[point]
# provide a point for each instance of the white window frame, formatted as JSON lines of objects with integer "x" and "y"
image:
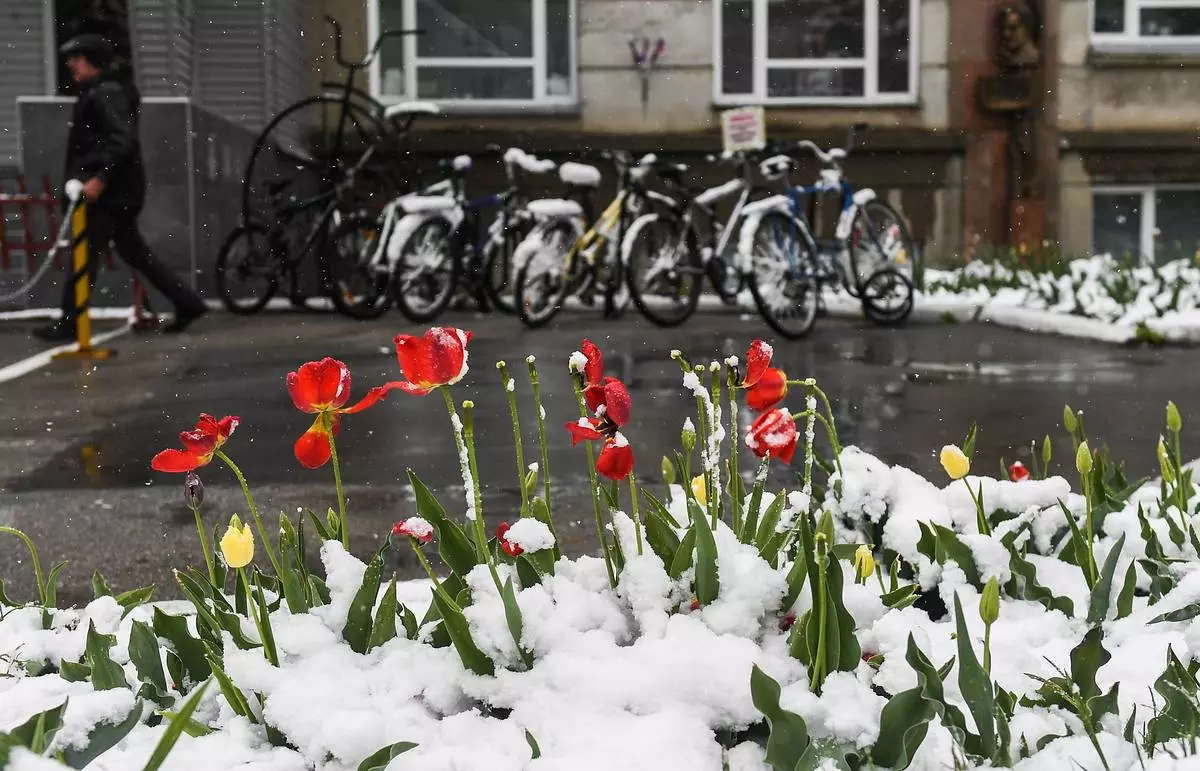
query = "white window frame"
{"x": 1132, "y": 39}
{"x": 1149, "y": 211}
{"x": 868, "y": 61}
{"x": 537, "y": 61}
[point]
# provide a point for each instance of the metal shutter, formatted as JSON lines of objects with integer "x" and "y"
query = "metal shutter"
{"x": 230, "y": 56}
{"x": 22, "y": 67}
{"x": 163, "y": 42}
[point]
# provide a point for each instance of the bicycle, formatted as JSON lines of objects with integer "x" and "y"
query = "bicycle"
{"x": 262, "y": 255}
{"x": 667, "y": 256}
{"x": 871, "y": 256}
{"x": 572, "y": 252}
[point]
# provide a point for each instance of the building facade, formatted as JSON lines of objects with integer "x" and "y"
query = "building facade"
{"x": 1071, "y": 123}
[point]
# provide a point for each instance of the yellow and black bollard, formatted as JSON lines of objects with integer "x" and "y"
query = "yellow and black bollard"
{"x": 83, "y": 289}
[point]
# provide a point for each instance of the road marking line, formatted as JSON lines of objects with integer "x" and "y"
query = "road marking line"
{"x": 39, "y": 360}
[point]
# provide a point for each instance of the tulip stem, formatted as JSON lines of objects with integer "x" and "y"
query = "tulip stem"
{"x": 262, "y": 533}
{"x": 637, "y": 519}
{"x": 987, "y": 648}
{"x": 734, "y": 471}
{"x": 541, "y": 423}
{"x": 266, "y": 639}
{"x": 208, "y": 560}
{"x": 509, "y": 391}
{"x": 37, "y": 563}
{"x": 821, "y": 605}
{"x": 480, "y": 532}
{"x": 980, "y": 518}
{"x": 337, "y": 483}
{"x": 595, "y": 485}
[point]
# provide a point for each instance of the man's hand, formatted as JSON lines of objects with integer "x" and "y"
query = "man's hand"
{"x": 93, "y": 188}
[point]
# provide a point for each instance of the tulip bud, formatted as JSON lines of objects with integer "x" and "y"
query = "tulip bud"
{"x": 955, "y": 462}
{"x": 1174, "y": 419}
{"x": 1164, "y": 463}
{"x": 1069, "y": 420}
{"x": 699, "y": 490}
{"x": 668, "y": 471}
{"x": 1083, "y": 459}
{"x": 193, "y": 491}
{"x": 825, "y": 526}
{"x": 864, "y": 563}
{"x": 237, "y": 545}
{"x": 688, "y": 435}
{"x": 531, "y": 479}
{"x": 989, "y": 601}
{"x": 822, "y": 544}
{"x": 1046, "y": 455}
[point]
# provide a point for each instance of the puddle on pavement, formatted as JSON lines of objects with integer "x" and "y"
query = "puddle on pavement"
{"x": 931, "y": 373}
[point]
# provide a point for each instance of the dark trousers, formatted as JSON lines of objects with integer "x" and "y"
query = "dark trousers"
{"x": 118, "y": 225}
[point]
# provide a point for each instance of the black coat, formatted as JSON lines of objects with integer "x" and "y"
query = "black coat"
{"x": 104, "y": 141}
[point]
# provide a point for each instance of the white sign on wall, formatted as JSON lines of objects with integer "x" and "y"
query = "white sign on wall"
{"x": 743, "y": 129}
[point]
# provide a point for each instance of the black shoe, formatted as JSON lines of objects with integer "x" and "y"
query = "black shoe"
{"x": 56, "y": 333}
{"x": 183, "y": 319}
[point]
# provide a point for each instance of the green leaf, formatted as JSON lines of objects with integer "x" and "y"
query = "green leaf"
{"x": 134, "y": 598}
{"x": 102, "y": 738}
{"x": 848, "y": 652}
{"x": 74, "y": 672}
{"x": 684, "y": 555}
{"x": 52, "y": 583}
{"x": 708, "y": 585}
{"x": 106, "y": 674}
{"x": 233, "y": 695}
{"x": 191, "y": 727}
{"x": 295, "y": 585}
{"x": 1125, "y": 598}
{"x": 175, "y": 730}
{"x": 319, "y": 590}
{"x": 533, "y": 745}
{"x": 797, "y": 574}
{"x": 380, "y": 758}
{"x": 454, "y": 546}
{"x": 188, "y": 649}
{"x": 1186, "y": 613}
{"x": 144, "y": 653}
{"x": 456, "y": 626}
{"x": 512, "y": 614}
{"x": 750, "y": 524}
{"x": 968, "y": 445}
{"x": 1086, "y": 660}
{"x": 7, "y": 601}
{"x": 1024, "y": 570}
{"x": 954, "y": 549}
{"x": 357, "y": 631}
{"x": 660, "y": 530}
{"x": 1077, "y": 551}
{"x": 323, "y": 531}
{"x": 770, "y": 519}
{"x": 903, "y": 725}
{"x": 901, "y": 598}
{"x": 100, "y": 587}
{"x": 268, "y": 634}
{"x": 409, "y": 619}
{"x": 975, "y": 685}
{"x": 384, "y": 628}
{"x": 1102, "y": 592}
{"x": 36, "y": 733}
{"x": 788, "y": 739}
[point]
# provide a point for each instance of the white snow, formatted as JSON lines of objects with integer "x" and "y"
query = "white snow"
{"x": 464, "y": 466}
{"x": 530, "y": 534}
{"x": 577, "y": 362}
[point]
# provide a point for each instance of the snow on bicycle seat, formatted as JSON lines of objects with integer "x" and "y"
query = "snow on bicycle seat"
{"x": 515, "y": 156}
{"x": 776, "y": 166}
{"x": 545, "y": 208}
{"x": 420, "y": 204}
{"x": 410, "y": 108}
{"x": 579, "y": 175}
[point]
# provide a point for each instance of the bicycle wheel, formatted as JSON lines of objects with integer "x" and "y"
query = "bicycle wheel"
{"x": 663, "y": 269}
{"x": 499, "y": 277}
{"x": 879, "y": 240}
{"x": 887, "y": 297}
{"x": 782, "y": 276}
{"x": 548, "y": 271}
{"x": 247, "y": 270}
{"x": 358, "y": 287}
{"x": 426, "y": 271}
{"x": 297, "y": 154}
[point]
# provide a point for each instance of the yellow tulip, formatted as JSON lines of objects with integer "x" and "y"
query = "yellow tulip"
{"x": 700, "y": 490}
{"x": 957, "y": 464}
{"x": 864, "y": 562}
{"x": 237, "y": 545}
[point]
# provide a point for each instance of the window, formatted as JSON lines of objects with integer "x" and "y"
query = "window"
{"x": 510, "y": 53}
{"x": 816, "y": 51}
{"x": 1153, "y": 223}
{"x": 1157, "y": 21}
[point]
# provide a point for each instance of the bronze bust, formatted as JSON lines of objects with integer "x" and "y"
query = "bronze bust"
{"x": 1018, "y": 47}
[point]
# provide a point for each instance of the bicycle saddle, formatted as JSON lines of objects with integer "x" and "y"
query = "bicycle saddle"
{"x": 579, "y": 175}
{"x": 403, "y": 109}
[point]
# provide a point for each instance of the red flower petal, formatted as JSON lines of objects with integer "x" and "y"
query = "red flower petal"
{"x": 594, "y": 369}
{"x": 312, "y": 448}
{"x": 616, "y": 401}
{"x": 768, "y": 391}
{"x": 511, "y": 549}
{"x": 583, "y": 430}
{"x": 319, "y": 385}
{"x": 758, "y": 358}
{"x": 373, "y": 397}
{"x": 1017, "y": 472}
{"x": 197, "y": 442}
{"x": 438, "y": 358}
{"x": 773, "y": 433}
{"x": 177, "y": 461}
{"x": 227, "y": 425}
{"x": 501, "y": 529}
{"x": 616, "y": 459}
{"x": 594, "y": 396}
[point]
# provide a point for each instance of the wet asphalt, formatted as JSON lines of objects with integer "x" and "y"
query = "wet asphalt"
{"x": 76, "y": 439}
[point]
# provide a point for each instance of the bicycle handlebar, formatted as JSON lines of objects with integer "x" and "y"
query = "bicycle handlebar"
{"x": 834, "y": 155}
{"x": 340, "y": 57}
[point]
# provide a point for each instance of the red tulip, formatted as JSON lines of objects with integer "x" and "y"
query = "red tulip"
{"x": 437, "y": 359}
{"x": 511, "y": 549}
{"x": 414, "y": 527}
{"x": 787, "y": 622}
{"x": 323, "y": 388}
{"x": 758, "y": 359}
{"x": 768, "y": 391}
{"x": 200, "y": 444}
{"x": 773, "y": 434}
{"x": 1017, "y": 472}
{"x": 610, "y": 401}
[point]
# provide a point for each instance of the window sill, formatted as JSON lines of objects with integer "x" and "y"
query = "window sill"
{"x": 483, "y": 107}
{"x": 906, "y": 103}
{"x": 1138, "y": 54}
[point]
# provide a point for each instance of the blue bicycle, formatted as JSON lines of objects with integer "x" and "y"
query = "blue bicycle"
{"x": 870, "y": 256}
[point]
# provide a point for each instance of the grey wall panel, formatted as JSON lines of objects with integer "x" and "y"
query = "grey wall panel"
{"x": 22, "y": 67}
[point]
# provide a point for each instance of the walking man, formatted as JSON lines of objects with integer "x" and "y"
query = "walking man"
{"x": 103, "y": 152}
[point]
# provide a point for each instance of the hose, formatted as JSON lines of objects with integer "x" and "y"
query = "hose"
{"x": 73, "y": 189}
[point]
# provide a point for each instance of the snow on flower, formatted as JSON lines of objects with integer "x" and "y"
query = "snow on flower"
{"x": 530, "y": 535}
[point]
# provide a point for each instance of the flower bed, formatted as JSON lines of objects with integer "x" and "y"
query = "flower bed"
{"x": 864, "y": 618}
